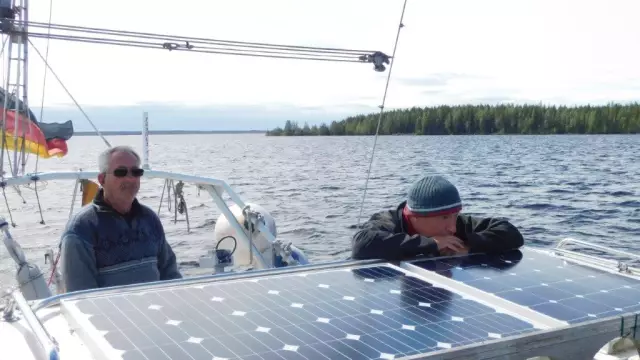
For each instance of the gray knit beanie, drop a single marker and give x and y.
(433, 196)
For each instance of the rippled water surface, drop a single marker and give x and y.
(551, 187)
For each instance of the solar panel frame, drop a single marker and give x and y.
(569, 301)
(102, 347)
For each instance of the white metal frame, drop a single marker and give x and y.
(622, 268)
(553, 337)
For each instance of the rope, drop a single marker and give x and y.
(202, 45)
(53, 269)
(178, 198)
(69, 93)
(180, 204)
(15, 187)
(23, 148)
(4, 194)
(38, 201)
(162, 195)
(170, 186)
(6, 147)
(384, 98)
(74, 195)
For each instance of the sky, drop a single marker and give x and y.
(449, 52)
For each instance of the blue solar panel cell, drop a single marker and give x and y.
(549, 285)
(364, 313)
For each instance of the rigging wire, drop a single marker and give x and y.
(4, 42)
(44, 80)
(384, 98)
(199, 49)
(179, 43)
(136, 34)
(69, 93)
(201, 45)
(44, 86)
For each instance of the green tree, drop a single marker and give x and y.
(482, 119)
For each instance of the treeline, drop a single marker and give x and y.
(482, 119)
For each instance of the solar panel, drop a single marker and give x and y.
(358, 313)
(544, 283)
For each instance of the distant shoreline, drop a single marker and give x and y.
(480, 120)
(169, 132)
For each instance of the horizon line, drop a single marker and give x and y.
(168, 132)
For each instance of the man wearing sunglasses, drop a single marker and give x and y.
(115, 240)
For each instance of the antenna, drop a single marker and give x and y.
(145, 140)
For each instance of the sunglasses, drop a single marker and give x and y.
(123, 171)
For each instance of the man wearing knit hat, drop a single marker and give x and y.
(429, 223)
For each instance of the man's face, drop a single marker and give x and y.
(116, 186)
(431, 226)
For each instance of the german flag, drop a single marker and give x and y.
(43, 139)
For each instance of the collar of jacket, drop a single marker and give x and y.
(405, 225)
(101, 204)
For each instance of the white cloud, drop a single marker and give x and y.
(560, 51)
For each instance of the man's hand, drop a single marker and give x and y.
(448, 252)
(450, 245)
(464, 251)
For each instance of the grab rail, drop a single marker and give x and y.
(48, 344)
(620, 265)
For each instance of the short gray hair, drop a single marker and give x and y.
(105, 156)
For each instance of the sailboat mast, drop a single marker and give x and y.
(7, 14)
(25, 81)
(15, 87)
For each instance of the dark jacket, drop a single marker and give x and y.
(385, 236)
(102, 248)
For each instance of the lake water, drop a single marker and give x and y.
(551, 187)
